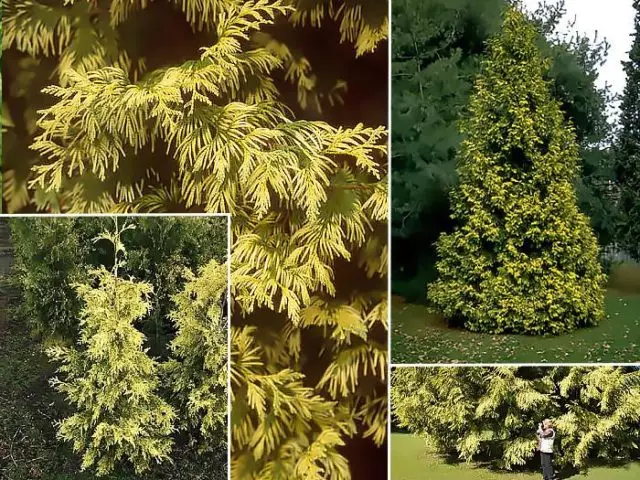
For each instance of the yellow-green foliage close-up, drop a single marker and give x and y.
(271, 110)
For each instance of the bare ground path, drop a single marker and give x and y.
(6, 260)
(26, 430)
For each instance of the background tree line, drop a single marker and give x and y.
(51, 255)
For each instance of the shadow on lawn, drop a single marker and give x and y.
(623, 279)
(420, 336)
(533, 465)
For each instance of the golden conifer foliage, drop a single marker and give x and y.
(109, 379)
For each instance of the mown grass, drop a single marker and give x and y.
(411, 461)
(419, 336)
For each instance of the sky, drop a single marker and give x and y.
(611, 19)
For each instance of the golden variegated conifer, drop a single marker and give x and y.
(522, 257)
(110, 380)
(491, 413)
(197, 373)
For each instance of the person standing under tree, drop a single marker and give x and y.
(546, 436)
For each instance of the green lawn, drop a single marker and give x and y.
(411, 461)
(421, 337)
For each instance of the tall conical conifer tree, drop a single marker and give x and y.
(627, 155)
(522, 258)
(198, 371)
(110, 380)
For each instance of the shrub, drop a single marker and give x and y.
(491, 413)
(110, 381)
(197, 373)
(49, 260)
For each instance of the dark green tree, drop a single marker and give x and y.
(522, 258)
(436, 51)
(161, 249)
(49, 260)
(58, 251)
(627, 156)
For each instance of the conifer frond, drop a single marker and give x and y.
(159, 199)
(263, 271)
(338, 321)
(236, 20)
(320, 459)
(517, 451)
(378, 202)
(373, 256)
(373, 412)
(281, 428)
(71, 30)
(36, 28)
(15, 191)
(216, 147)
(378, 310)
(197, 373)
(351, 365)
(363, 23)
